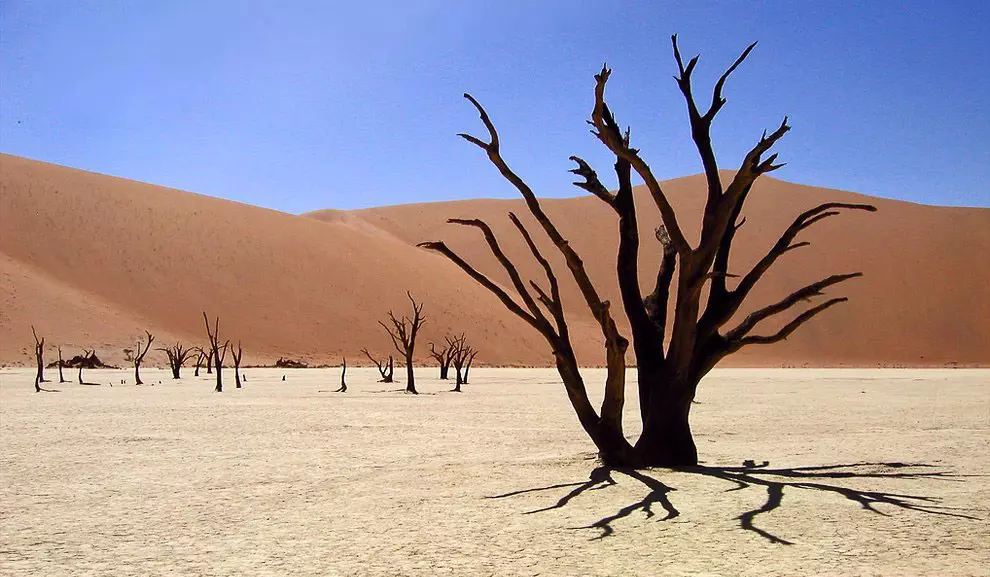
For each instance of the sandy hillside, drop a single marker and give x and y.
(282, 479)
(93, 260)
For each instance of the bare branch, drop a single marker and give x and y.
(787, 329)
(802, 294)
(592, 184)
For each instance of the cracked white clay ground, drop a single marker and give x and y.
(282, 479)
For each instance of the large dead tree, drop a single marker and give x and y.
(236, 354)
(385, 368)
(697, 334)
(200, 355)
(39, 358)
(177, 355)
(139, 358)
(217, 353)
(443, 357)
(403, 334)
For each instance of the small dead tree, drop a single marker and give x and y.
(343, 374)
(177, 355)
(39, 357)
(61, 363)
(403, 334)
(200, 355)
(671, 357)
(443, 358)
(463, 357)
(87, 355)
(139, 358)
(385, 368)
(216, 353)
(237, 353)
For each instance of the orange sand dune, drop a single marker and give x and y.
(93, 260)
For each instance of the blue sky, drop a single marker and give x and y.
(304, 105)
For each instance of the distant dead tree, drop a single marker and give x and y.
(209, 360)
(668, 375)
(463, 357)
(443, 357)
(87, 357)
(39, 357)
(139, 358)
(403, 334)
(385, 368)
(237, 353)
(343, 373)
(200, 355)
(61, 363)
(177, 355)
(217, 353)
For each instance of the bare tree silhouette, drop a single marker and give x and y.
(236, 354)
(177, 355)
(39, 357)
(217, 352)
(343, 374)
(61, 363)
(668, 375)
(443, 357)
(385, 368)
(139, 358)
(403, 334)
(200, 355)
(463, 357)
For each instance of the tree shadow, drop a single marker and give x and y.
(774, 480)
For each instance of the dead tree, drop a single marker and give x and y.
(200, 355)
(237, 353)
(87, 354)
(140, 357)
(177, 355)
(463, 357)
(403, 334)
(61, 363)
(39, 357)
(443, 357)
(216, 353)
(668, 375)
(343, 373)
(209, 360)
(385, 368)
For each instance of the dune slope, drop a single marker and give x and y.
(93, 260)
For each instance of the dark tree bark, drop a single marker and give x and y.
(237, 353)
(403, 334)
(217, 352)
(668, 374)
(200, 355)
(61, 363)
(443, 358)
(343, 374)
(39, 357)
(177, 355)
(140, 357)
(209, 361)
(467, 365)
(463, 357)
(87, 354)
(385, 368)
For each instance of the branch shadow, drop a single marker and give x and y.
(773, 480)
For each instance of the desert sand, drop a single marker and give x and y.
(93, 261)
(868, 472)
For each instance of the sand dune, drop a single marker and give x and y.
(93, 260)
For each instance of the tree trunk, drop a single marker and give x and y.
(237, 376)
(457, 385)
(137, 373)
(175, 370)
(209, 364)
(444, 369)
(219, 387)
(61, 379)
(410, 378)
(667, 440)
(80, 375)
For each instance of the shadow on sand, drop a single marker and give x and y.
(773, 480)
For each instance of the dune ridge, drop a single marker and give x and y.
(93, 260)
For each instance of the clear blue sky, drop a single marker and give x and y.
(303, 105)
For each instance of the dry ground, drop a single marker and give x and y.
(282, 479)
